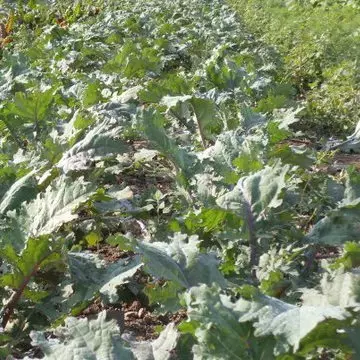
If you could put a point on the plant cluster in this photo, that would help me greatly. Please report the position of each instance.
(319, 43)
(159, 128)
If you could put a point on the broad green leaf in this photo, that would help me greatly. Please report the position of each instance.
(327, 335)
(350, 259)
(206, 187)
(32, 107)
(121, 241)
(134, 60)
(208, 219)
(258, 192)
(54, 207)
(203, 109)
(163, 346)
(129, 95)
(99, 143)
(206, 116)
(119, 201)
(352, 188)
(12, 234)
(351, 144)
(275, 134)
(173, 101)
(181, 261)
(288, 323)
(38, 253)
(159, 349)
(165, 296)
(287, 117)
(92, 94)
(342, 223)
(294, 155)
(93, 239)
(248, 162)
(173, 84)
(90, 274)
(231, 145)
(353, 333)
(159, 264)
(225, 74)
(84, 339)
(337, 227)
(218, 332)
(152, 124)
(131, 84)
(250, 119)
(22, 190)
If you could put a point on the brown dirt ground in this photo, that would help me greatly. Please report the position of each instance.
(340, 160)
(132, 316)
(110, 253)
(347, 159)
(135, 318)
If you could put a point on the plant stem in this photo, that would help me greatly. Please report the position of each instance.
(201, 132)
(254, 256)
(9, 308)
(13, 134)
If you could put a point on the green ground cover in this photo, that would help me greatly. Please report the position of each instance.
(319, 42)
(157, 200)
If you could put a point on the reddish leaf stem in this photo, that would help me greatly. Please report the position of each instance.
(9, 308)
(254, 256)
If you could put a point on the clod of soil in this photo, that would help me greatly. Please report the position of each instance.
(144, 324)
(110, 253)
(134, 318)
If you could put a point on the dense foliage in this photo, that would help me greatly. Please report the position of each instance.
(160, 128)
(320, 44)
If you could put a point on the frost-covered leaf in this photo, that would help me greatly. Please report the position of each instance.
(83, 339)
(218, 332)
(250, 119)
(182, 262)
(90, 274)
(54, 207)
(129, 94)
(337, 227)
(341, 289)
(173, 101)
(258, 192)
(342, 223)
(100, 142)
(287, 117)
(159, 349)
(288, 323)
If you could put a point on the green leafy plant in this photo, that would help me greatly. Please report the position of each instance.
(150, 160)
